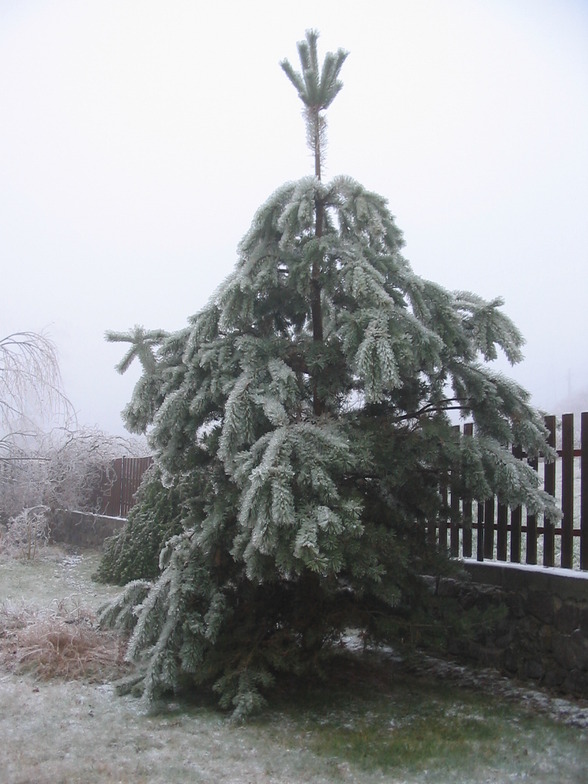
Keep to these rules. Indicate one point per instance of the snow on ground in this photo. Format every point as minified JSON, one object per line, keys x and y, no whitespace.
{"x":78,"y":733}
{"x":75,"y":732}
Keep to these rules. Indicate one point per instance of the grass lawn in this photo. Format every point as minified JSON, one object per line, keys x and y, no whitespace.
{"x":377,"y":723}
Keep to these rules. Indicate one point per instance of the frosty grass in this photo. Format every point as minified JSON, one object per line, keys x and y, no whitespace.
{"x":74,"y":732}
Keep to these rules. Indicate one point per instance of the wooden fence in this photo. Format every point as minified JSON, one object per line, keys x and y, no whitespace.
{"x":485,"y":531}
{"x":119,"y":485}
{"x":492,"y":531}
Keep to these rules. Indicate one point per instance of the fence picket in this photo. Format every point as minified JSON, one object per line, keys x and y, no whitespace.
{"x":549,"y":484}
{"x":584,"y":491}
{"x":516,"y":521}
{"x":480,"y":530}
{"x":567,"y":491}
{"x":489,"y":528}
{"x":501,"y":532}
{"x":532,"y":533}
{"x":454,"y":523}
{"x":516,"y":525}
{"x":468,"y":430}
{"x":443,"y":519}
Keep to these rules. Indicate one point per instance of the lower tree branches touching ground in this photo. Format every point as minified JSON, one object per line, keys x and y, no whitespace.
{"x":306,"y":462}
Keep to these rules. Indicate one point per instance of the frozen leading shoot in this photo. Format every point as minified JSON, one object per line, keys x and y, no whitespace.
{"x":301,"y":430}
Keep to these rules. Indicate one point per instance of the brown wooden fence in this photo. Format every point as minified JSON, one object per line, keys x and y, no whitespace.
{"x":492,"y":531}
{"x":119,"y":485}
{"x":485,"y":531}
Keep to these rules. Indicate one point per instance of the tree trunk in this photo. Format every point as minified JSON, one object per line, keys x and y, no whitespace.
{"x":315,"y":282}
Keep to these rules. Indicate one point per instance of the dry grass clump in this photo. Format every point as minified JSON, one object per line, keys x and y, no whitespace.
{"x":59,"y":644}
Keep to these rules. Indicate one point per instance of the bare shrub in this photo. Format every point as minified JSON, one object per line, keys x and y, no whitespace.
{"x":26,"y":532}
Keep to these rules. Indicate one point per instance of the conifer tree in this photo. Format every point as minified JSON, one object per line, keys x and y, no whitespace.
{"x":303,"y":419}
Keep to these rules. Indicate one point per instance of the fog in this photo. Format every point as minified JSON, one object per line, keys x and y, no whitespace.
{"x":138,"y":138}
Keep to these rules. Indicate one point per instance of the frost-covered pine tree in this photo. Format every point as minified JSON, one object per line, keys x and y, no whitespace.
{"x":302,"y":420}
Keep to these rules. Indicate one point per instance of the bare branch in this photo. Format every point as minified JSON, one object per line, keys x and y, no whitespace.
{"x":31,"y":392}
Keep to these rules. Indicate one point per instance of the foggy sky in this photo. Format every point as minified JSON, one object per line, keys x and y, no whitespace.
{"x":138,"y":138}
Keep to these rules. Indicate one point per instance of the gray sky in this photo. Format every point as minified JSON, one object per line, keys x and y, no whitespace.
{"x":138,"y":137}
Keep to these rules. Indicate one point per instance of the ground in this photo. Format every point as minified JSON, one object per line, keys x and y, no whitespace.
{"x":388,"y":723}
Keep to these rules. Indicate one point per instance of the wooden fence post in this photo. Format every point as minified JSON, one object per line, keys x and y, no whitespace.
{"x":480,"y":533}
{"x":584,"y":492}
{"x":516,"y":518}
{"x":468,"y":430}
{"x":502,"y":532}
{"x":548,"y":526}
{"x":489,"y":507}
{"x":567,"y":491}
{"x":531,"y":549}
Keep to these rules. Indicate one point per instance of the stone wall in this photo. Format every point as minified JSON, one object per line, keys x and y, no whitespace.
{"x":82,"y":529}
{"x":543,"y":634}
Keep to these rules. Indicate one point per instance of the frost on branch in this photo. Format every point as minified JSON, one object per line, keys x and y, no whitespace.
{"x":302,"y":422}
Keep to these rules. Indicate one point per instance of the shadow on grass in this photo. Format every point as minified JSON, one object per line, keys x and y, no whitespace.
{"x":377,"y":716}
